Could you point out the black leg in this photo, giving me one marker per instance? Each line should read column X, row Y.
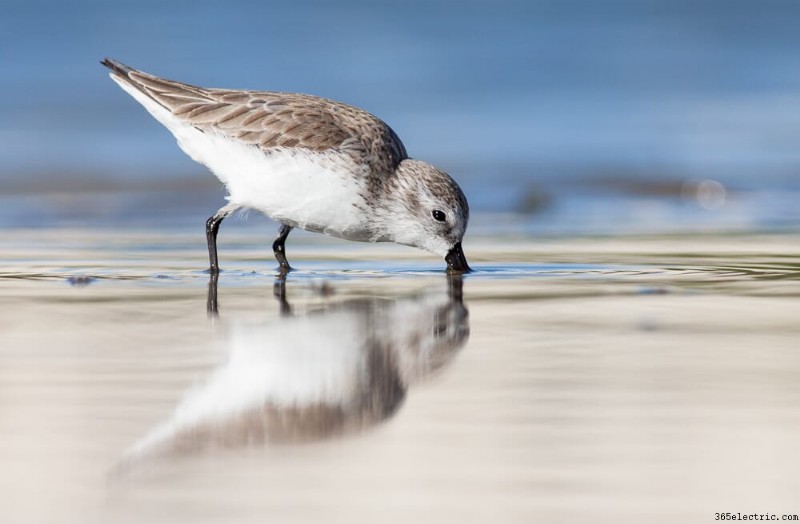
column 212, row 227
column 280, row 250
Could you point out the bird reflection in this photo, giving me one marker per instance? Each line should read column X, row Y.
column 339, row 369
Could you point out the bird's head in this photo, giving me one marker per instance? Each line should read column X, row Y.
column 427, row 210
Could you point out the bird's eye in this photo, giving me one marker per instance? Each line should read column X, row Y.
column 438, row 215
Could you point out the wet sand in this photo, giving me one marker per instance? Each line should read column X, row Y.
column 616, row 378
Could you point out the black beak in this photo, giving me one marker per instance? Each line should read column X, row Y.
column 456, row 261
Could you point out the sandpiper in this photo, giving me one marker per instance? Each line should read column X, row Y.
column 307, row 162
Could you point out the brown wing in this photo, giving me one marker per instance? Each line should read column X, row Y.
column 270, row 119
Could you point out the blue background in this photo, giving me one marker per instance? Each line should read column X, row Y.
column 539, row 101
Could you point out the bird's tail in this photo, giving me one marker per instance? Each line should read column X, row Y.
column 169, row 94
column 118, row 68
column 128, row 77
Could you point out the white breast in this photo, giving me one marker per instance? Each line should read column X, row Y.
column 320, row 192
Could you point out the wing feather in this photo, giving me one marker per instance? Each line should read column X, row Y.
column 271, row 120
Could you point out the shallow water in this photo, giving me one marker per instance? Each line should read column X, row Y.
column 614, row 378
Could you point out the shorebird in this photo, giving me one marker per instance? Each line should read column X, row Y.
column 307, row 162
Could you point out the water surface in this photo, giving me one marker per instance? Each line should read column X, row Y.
column 621, row 378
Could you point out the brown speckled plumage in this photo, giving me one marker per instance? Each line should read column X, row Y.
column 270, row 120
